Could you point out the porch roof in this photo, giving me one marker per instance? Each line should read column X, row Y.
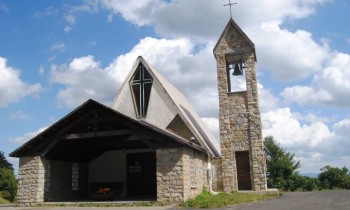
column 94, row 128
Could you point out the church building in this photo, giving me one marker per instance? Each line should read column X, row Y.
column 151, row 143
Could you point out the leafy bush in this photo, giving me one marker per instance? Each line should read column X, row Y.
column 8, row 184
column 334, row 177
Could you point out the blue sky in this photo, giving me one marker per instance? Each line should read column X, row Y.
column 54, row 55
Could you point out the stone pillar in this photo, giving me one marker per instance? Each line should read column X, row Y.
column 170, row 175
column 31, row 181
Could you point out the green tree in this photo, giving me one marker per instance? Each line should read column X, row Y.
column 8, row 184
column 3, row 162
column 281, row 166
column 334, row 177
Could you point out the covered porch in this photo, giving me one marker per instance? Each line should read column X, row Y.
column 96, row 151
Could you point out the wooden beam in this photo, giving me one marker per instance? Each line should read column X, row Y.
column 97, row 134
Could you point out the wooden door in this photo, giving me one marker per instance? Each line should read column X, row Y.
column 141, row 174
column 243, row 171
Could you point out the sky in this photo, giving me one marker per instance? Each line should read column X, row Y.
column 54, row 55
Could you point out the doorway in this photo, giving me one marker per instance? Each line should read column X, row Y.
column 141, row 174
column 243, row 170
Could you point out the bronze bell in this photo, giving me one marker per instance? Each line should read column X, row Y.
column 237, row 70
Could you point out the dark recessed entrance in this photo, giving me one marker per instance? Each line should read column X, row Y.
column 243, row 171
column 141, row 174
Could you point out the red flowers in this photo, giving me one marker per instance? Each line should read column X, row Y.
column 103, row 190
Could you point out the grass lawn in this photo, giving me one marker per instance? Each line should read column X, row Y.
column 4, row 201
column 203, row 200
column 207, row 200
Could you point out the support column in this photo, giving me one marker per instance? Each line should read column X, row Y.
column 31, row 181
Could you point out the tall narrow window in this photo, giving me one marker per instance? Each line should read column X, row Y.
column 75, row 176
column 193, row 170
column 141, row 84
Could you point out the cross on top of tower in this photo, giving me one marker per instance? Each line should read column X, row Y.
column 230, row 4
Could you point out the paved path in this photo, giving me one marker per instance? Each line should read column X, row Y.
column 325, row 200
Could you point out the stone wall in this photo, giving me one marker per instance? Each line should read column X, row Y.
column 31, row 181
column 170, row 181
column 174, row 170
column 58, row 181
column 195, row 172
column 239, row 118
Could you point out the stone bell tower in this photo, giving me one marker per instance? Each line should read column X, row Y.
column 242, row 153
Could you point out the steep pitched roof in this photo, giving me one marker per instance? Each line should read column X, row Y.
column 178, row 104
column 232, row 25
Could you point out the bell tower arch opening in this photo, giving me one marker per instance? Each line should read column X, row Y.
column 236, row 78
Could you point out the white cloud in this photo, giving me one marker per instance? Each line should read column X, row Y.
column 19, row 115
column 12, row 88
column 110, row 18
column 289, row 56
column 328, row 86
column 306, row 95
column 314, row 143
column 83, row 79
column 173, row 58
column 58, row 46
column 50, row 11
column 137, row 12
column 164, row 15
column 213, row 125
column 290, row 132
column 27, row 136
column 267, row 101
column 70, row 19
column 275, row 53
column 70, row 15
column 41, row 70
column 67, row 29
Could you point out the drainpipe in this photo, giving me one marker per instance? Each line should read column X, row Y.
column 210, row 174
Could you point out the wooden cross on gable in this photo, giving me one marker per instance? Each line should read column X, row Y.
column 230, row 4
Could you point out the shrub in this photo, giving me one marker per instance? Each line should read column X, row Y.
column 8, row 184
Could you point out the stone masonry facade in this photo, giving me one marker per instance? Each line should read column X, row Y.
column 181, row 174
column 31, row 181
column 41, row 180
column 239, row 118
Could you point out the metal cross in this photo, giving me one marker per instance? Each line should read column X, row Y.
column 230, row 4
